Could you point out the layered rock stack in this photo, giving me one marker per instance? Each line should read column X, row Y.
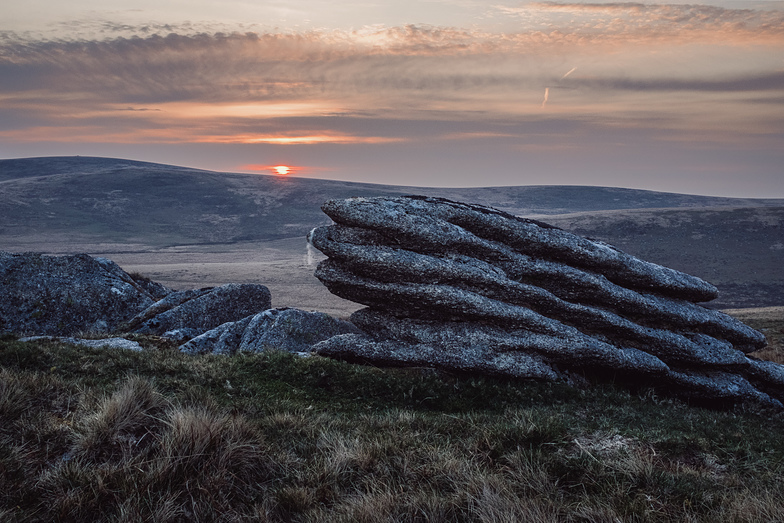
column 470, row 288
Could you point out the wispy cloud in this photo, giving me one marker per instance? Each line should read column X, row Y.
column 195, row 83
column 772, row 81
column 300, row 138
column 632, row 22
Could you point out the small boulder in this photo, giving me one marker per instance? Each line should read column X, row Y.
column 194, row 312
column 291, row 330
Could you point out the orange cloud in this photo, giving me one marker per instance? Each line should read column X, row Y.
column 250, row 109
column 178, row 134
column 318, row 137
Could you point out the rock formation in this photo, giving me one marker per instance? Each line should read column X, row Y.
column 62, row 295
column 290, row 330
column 186, row 314
column 470, row 288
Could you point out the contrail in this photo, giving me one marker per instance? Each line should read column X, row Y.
column 547, row 89
column 573, row 69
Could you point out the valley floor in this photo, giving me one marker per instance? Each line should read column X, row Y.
column 284, row 266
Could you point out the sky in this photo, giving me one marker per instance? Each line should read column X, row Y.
column 671, row 96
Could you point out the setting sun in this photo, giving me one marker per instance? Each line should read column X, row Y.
column 276, row 170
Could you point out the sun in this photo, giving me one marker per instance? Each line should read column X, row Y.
column 281, row 170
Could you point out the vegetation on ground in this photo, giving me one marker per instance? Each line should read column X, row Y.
column 116, row 435
column 769, row 321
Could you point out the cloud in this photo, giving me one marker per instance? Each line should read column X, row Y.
column 401, row 71
column 632, row 22
column 300, row 138
column 424, row 63
column 138, row 109
column 195, row 83
column 773, row 81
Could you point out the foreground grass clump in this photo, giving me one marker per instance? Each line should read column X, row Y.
column 102, row 435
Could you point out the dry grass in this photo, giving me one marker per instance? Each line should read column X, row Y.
column 138, row 457
column 769, row 321
column 91, row 435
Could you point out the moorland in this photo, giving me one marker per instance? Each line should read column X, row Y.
column 188, row 228
column 157, row 435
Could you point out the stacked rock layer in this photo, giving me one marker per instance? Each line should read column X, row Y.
column 471, row 288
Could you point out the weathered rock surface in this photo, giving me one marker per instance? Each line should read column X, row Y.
column 106, row 343
column 470, row 288
column 291, row 330
column 62, row 295
column 192, row 312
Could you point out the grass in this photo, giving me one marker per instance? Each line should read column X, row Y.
column 769, row 321
column 112, row 435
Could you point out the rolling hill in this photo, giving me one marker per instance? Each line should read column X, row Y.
column 189, row 228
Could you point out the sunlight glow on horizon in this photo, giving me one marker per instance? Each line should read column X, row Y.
column 280, row 171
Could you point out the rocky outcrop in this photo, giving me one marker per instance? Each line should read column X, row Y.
column 290, row 330
column 471, row 288
column 189, row 313
column 63, row 295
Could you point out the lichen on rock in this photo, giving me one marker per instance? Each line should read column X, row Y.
column 196, row 311
column 285, row 329
column 64, row 295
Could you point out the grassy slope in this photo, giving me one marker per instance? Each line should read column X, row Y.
column 89, row 435
column 740, row 250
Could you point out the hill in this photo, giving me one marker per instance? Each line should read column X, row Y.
column 190, row 228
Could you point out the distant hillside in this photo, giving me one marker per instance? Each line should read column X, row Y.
column 736, row 243
column 738, row 249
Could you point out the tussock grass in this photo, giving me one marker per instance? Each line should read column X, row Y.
column 97, row 435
